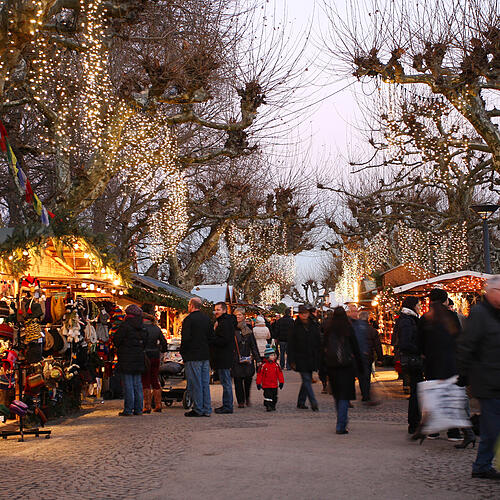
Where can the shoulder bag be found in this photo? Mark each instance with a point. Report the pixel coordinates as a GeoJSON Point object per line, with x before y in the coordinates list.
{"type": "Point", "coordinates": [243, 360]}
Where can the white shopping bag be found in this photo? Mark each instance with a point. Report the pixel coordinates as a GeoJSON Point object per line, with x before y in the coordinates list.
{"type": "Point", "coordinates": [442, 404]}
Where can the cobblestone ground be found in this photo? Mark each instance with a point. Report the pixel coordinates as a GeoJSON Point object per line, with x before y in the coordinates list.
{"type": "Point", "coordinates": [99, 455]}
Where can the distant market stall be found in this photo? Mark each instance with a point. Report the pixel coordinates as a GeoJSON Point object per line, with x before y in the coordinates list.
{"type": "Point", "coordinates": [463, 287]}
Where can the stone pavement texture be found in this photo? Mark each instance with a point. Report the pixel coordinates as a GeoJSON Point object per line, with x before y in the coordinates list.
{"type": "Point", "coordinates": [292, 454]}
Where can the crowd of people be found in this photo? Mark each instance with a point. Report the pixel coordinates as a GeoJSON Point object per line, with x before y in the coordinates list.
{"type": "Point", "coordinates": [438, 345]}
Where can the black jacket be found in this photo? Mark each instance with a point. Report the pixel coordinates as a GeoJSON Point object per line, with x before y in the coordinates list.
{"type": "Point", "coordinates": [247, 347]}
{"type": "Point", "coordinates": [155, 341]}
{"type": "Point", "coordinates": [479, 351]}
{"type": "Point", "coordinates": [223, 342]}
{"type": "Point", "coordinates": [197, 329]}
{"type": "Point", "coordinates": [304, 346]}
{"type": "Point", "coordinates": [282, 328]}
{"type": "Point", "coordinates": [406, 337]}
{"type": "Point", "coordinates": [437, 341]}
{"type": "Point", "coordinates": [368, 340]}
{"type": "Point", "coordinates": [130, 339]}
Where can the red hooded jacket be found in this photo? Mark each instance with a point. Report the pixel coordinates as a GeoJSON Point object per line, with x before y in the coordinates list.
{"type": "Point", "coordinates": [270, 375]}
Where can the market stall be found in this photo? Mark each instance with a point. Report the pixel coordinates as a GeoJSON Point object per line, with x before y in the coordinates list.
{"type": "Point", "coordinates": [463, 287]}
{"type": "Point", "coordinates": [57, 296]}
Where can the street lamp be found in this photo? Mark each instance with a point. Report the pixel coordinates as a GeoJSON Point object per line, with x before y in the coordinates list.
{"type": "Point", "coordinates": [485, 212]}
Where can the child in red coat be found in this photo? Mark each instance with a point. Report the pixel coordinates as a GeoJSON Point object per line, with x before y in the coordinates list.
{"type": "Point", "coordinates": [269, 377]}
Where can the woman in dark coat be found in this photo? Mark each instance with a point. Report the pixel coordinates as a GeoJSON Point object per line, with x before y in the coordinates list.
{"type": "Point", "coordinates": [406, 332]}
{"type": "Point", "coordinates": [129, 340]}
{"type": "Point", "coordinates": [342, 356]}
{"type": "Point", "coordinates": [246, 347]}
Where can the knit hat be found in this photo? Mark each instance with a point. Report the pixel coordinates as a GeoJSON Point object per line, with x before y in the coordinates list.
{"type": "Point", "coordinates": [260, 320]}
{"type": "Point", "coordinates": [303, 308]}
{"type": "Point", "coordinates": [438, 295]}
{"type": "Point", "coordinates": [269, 350]}
{"type": "Point", "coordinates": [133, 310]}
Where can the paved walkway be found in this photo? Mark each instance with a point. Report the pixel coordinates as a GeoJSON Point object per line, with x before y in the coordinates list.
{"type": "Point", "coordinates": [292, 454]}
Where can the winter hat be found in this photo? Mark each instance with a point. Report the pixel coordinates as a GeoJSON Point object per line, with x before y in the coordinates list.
{"type": "Point", "coordinates": [133, 310]}
{"type": "Point", "coordinates": [438, 295]}
{"type": "Point", "coordinates": [260, 320]}
{"type": "Point", "coordinates": [269, 350]}
{"type": "Point", "coordinates": [303, 308]}
{"type": "Point", "coordinates": [410, 302]}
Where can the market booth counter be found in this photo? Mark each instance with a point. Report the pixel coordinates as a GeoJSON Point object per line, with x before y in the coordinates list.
{"type": "Point", "coordinates": [56, 303]}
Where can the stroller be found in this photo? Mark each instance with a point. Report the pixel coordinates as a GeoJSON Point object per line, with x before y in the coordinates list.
{"type": "Point", "coordinates": [173, 379]}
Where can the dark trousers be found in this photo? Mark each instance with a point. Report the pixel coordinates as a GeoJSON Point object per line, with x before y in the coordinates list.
{"type": "Point", "coordinates": [306, 390]}
{"type": "Point", "coordinates": [242, 389]}
{"type": "Point", "coordinates": [489, 425]}
{"type": "Point", "coordinates": [365, 379]}
{"type": "Point", "coordinates": [270, 397]}
{"type": "Point", "coordinates": [415, 376]}
{"type": "Point", "coordinates": [283, 352]}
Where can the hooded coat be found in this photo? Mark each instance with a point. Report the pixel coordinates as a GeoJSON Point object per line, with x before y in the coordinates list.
{"type": "Point", "coordinates": [130, 339]}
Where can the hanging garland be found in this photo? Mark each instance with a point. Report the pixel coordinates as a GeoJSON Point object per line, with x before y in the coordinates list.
{"type": "Point", "coordinates": [20, 179]}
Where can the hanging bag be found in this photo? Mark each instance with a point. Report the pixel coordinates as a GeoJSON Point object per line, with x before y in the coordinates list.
{"type": "Point", "coordinates": [338, 352]}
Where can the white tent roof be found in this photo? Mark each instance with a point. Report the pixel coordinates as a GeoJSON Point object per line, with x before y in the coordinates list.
{"type": "Point", "coordinates": [212, 293]}
{"type": "Point", "coordinates": [439, 279]}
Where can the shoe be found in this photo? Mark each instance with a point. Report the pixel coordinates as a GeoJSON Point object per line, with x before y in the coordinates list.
{"type": "Point", "coordinates": [268, 408]}
{"type": "Point", "coordinates": [223, 411]}
{"type": "Point", "coordinates": [138, 413]}
{"type": "Point", "coordinates": [123, 414]}
{"type": "Point", "coordinates": [205, 414]}
{"type": "Point", "coordinates": [314, 407]}
{"type": "Point", "coordinates": [302, 406]}
{"type": "Point", "coordinates": [345, 431]}
{"type": "Point", "coordinates": [241, 405]}
{"type": "Point", "coordinates": [434, 435]}
{"type": "Point", "coordinates": [147, 411]}
{"type": "Point", "coordinates": [192, 413]}
{"type": "Point", "coordinates": [273, 408]}
{"type": "Point", "coordinates": [489, 474]}
{"type": "Point", "coordinates": [412, 429]}
{"type": "Point", "coordinates": [466, 442]}
{"type": "Point", "coordinates": [157, 410]}
{"type": "Point", "coordinates": [418, 436]}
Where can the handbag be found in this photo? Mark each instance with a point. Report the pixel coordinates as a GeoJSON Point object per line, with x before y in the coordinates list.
{"type": "Point", "coordinates": [243, 360]}
{"type": "Point", "coordinates": [34, 382]}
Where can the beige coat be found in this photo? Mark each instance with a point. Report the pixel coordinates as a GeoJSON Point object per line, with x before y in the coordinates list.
{"type": "Point", "coordinates": [263, 337]}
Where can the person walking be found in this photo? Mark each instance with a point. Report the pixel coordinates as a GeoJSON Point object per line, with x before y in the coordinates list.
{"type": "Point", "coordinates": [372, 347]}
{"type": "Point", "coordinates": [438, 332]}
{"type": "Point", "coordinates": [269, 378]}
{"type": "Point", "coordinates": [478, 357]}
{"type": "Point", "coordinates": [303, 355]}
{"type": "Point", "coordinates": [224, 347]}
{"type": "Point", "coordinates": [129, 340]}
{"type": "Point", "coordinates": [262, 334]}
{"type": "Point", "coordinates": [342, 356]}
{"type": "Point", "coordinates": [155, 344]}
{"type": "Point", "coordinates": [245, 357]}
{"type": "Point", "coordinates": [406, 333]}
{"type": "Point", "coordinates": [197, 330]}
{"type": "Point", "coordinates": [282, 329]}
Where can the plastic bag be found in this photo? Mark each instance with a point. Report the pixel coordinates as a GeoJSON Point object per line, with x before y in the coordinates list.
{"type": "Point", "coordinates": [443, 405]}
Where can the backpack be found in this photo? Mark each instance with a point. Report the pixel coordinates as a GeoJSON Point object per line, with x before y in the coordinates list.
{"type": "Point", "coordinates": [338, 352]}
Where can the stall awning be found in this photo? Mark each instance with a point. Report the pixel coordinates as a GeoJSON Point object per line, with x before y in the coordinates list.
{"type": "Point", "coordinates": [461, 281]}
{"type": "Point", "coordinates": [158, 285]}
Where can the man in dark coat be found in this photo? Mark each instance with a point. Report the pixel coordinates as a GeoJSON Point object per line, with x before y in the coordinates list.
{"type": "Point", "coordinates": [224, 347]}
{"type": "Point", "coordinates": [303, 355]}
{"type": "Point", "coordinates": [129, 341]}
{"type": "Point", "coordinates": [282, 329]}
{"type": "Point", "coordinates": [197, 330]}
{"type": "Point", "coordinates": [372, 347]}
{"type": "Point", "coordinates": [479, 361]}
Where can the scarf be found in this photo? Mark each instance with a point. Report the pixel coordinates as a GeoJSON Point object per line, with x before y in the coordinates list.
{"type": "Point", "coordinates": [410, 312]}
{"type": "Point", "coordinates": [243, 328]}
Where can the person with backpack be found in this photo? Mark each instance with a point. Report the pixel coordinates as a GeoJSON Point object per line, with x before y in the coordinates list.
{"type": "Point", "coordinates": [342, 357]}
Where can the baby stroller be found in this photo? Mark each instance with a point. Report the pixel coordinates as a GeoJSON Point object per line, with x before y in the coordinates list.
{"type": "Point", "coordinates": [173, 379]}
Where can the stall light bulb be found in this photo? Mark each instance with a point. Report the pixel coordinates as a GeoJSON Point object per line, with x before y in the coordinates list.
{"type": "Point", "coordinates": [113, 291]}
{"type": "Point", "coordinates": [92, 286]}
{"type": "Point", "coordinates": [86, 255]}
{"type": "Point", "coordinates": [103, 271]}
{"type": "Point", "coordinates": [84, 285]}
{"type": "Point", "coordinates": [10, 257]}
{"type": "Point", "coordinates": [25, 252]}
{"type": "Point", "coordinates": [116, 282]}
{"type": "Point", "coordinates": [120, 292]}
{"type": "Point", "coordinates": [76, 246]}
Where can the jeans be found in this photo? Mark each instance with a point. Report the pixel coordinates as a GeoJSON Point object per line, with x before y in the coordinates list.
{"type": "Point", "coordinates": [132, 393]}
{"type": "Point", "coordinates": [489, 425]}
{"type": "Point", "coordinates": [306, 390]}
{"type": "Point", "coordinates": [198, 384]}
{"type": "Point", "coordinates": [283, 351]}
{"type": "Point", "coordinates": [227, 388]}
{"type": "Point", "coordinates": [365, 379]}
{"type": "Point", "coordinates": [342, 407]}
{"type": "Point", "coordinates": [242, 387]}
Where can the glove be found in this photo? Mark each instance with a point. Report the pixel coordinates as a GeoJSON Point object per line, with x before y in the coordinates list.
{"type": "Point", "coordinates": [462, 381]}
{"type": "Point", "coordinates": [281, 385]}
{"type": "Point", "coordinates": [259, 387]}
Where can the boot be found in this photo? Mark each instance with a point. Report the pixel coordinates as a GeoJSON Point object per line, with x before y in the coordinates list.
{"type": "Point", "coordinates": [157, 398]}
{"type": "Point", "coordinates": [147, 400]}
